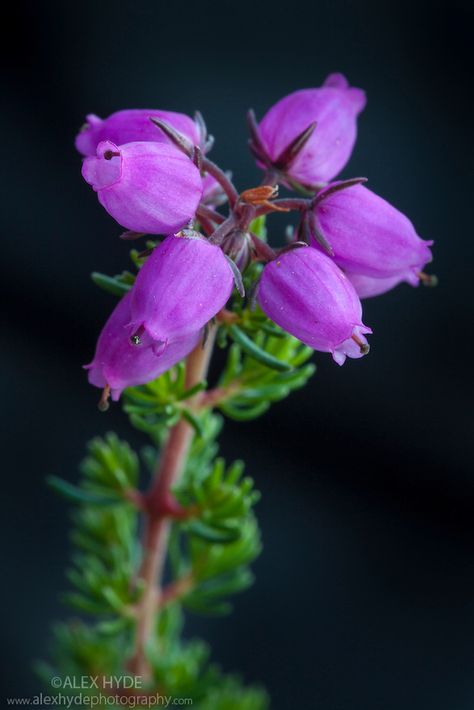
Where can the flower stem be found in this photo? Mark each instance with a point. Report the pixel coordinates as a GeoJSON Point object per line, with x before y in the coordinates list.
{"type": "Point", "coordinates": [224, 181]}
{"type": "Point", "coordinates": [210, 214]}
{"type": "Point", "coordinates": [157, 524]}
{"type": "Point", "coordinates": [290, 203]}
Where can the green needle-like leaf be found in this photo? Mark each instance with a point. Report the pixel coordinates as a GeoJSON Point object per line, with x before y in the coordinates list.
{"type": "Point", "coordinates": [78, 495]}
{"type": "Point", "coordinates": [112, 284]}
{"type": "Point", "coordinates": [252, 349]}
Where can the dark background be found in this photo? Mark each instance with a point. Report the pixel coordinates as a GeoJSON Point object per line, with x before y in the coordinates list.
{"type": "Point", "coordinates": [365, 590]}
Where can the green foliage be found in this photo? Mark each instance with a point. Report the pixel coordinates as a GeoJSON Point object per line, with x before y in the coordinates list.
{"type": "Point", "coordinates": [160, 404]}
{"type": "Point", "coordinates": [258, 227]}
{"type": "Point", "coordinates": [257, 352]}
{"type": "Point", "coordinates": [220, 569]}
{"type": "Point", "coordinates": [204, 447]}
{"type": "Point", "coordinates": [181, 669]}
{"type": "Point", "coordinates": [119, 284]}
{"type": "Point", "coordinates": [106, 560]}
{"type": "Point", "coordinates": [109, 472]}
{"type": "Point", "coordinates": [264, 365]}
{"type": "Point", "coordinates": [105, 531]}
{"type": "Point", "coordinates": [82, 649]}
{"type": "Point", "coordinates": [214, 548]}
{"type": "Point", "coordinates": [116, 285]}
{"type": "Point", "coordinates": [222, 497]}
{"type": "Point", "coordinates": [230, 695]}
{"type": "Point", "coordinates": [111, 463]}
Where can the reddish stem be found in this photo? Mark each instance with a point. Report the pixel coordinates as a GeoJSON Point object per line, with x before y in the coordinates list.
{"type": "Point", "coordinates": [227, 185]}
{"type": "Point", "coordinates": [157, 523]}
{"type": "Point", "coordinates": [210, 214]}
{"type": "Point", "coordinates": [218, 394]}
{"type": "Point", "coordinates": [175, 590]}
{"type": "Point", "coordinates": [290, 203]}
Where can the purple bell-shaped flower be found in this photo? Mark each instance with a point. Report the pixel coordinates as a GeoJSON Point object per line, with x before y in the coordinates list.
{"type": "Point", "coordinates": [182, 285]}
{"type": "Point", "coordinates": [332, 110]}
{"type": "Point", "coordinates": [147, 187]}
{"type": "Point", "coordinates": [368, 236]}
{"type": "Point", "coordinates": [118, 364]}
{"type": "Point", "coordinates": [306, 294]}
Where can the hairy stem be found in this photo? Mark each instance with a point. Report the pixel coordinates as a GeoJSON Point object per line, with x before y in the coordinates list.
{"type": "Point", "coordinates": [157, 524]}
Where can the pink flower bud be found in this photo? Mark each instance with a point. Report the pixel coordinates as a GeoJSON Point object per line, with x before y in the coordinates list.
{"type": "Point", "coordinates": [133, 125]}
{"type": "Point", "coordinates": [147, 187]}
{"type": "Point", "coordinates": [118, 364]}
{"type": "Point", "coordinates": [334, 108]}
{"type": "Point", "coordinates": [181, 286]}
{"type": "Point", "coordinates": [305, 293]}
{"type": "Point", "coordinates": [368, 236]}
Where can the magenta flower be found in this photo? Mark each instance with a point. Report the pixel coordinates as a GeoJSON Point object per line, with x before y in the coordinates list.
{"type": "Point", "coordinates": [133, 125]}
{"type": "Point", "coordinates": [147, 187]}
{"type": "Point", "coordinates": [368, 286]}
{"type": "Point", "coordinates": [118, 363]}
{"type": "Point", "coordinates": [181, 286]}
{"type": "Point", "coordinates": [334, 108]}
{"type": "Point", "coordinates": [305, 293]}
{"type": "Point", "coordinates": [368, 236]}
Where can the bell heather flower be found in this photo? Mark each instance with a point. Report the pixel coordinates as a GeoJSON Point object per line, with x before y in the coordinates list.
{"type": "Point", "coordinates": [147, 187]}
{"type": "Point", "coordinates": [305, 293]}
{"type": "Point", "coordinates": [118, 364]}
{"type": "Point", "coordinates": [368, 286]}
{"type": "Point", "coordinates": [334, 108]}
{"type": "Point", "coordinates": [368, 236]}
{"type": "Point", "coordinates": [182, 285]}
{"type": "Point", "coordinates": [133, 125]}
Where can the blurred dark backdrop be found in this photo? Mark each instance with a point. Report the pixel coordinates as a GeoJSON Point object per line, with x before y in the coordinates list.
{"type": "Point", "coordinates": [365, 591]}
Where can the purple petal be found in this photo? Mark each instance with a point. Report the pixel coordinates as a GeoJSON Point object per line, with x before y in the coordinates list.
{"type": "Point", "coordinates": [133, 125]}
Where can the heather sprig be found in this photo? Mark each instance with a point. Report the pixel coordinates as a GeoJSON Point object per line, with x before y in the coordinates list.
{"type": "Point", "coordinates": [172, 530]}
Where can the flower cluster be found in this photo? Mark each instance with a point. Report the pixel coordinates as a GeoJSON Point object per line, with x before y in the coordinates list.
{"type": "Point", "coordinates": [151, 173]}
